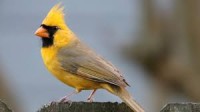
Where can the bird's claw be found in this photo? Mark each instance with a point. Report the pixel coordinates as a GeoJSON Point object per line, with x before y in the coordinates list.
{"type": "Point", "coordinates": [64, 100]}
{"type": "Point", "coordinates": [90, 100]}
{"type": "Point", "coordinates": [52, 103]}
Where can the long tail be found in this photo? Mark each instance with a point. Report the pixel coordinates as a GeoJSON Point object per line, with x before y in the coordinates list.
{"type": "Point", "coordinates": [125, 97]}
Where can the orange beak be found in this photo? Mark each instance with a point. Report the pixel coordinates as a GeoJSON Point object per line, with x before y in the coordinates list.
{"type": "Point", "coordinates": [41, 32]}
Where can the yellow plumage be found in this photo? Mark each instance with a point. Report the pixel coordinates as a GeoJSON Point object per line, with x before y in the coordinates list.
{"type": "Point", "coordinates": [62, 38]}
{"type": "Point", "coordinates": [76, 65]}
{"type": "Point", "coordinates": [52, 64]}
{"type": "Point", "coordinates": [55, 17]}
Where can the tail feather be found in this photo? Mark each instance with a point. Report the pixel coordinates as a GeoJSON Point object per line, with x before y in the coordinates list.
{"type": "Point", "coordinates": [126, 97]}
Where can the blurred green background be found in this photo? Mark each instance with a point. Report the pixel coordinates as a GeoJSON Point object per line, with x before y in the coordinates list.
{"type": "Point", "coordinates": [154, 43]}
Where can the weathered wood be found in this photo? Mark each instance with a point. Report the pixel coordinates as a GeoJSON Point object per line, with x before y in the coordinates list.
{"type": "Point", "coordinates": [86, 107]}
{"type": "Point", "coordinates": [105, 107]}
{"type": "Point", "coordinates": [181, 107]}
{"type": "Point", "coordinates": [4, 107]}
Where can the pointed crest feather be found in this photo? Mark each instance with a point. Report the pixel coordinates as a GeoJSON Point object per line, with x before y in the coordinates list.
{"type": "Point", "coordinates": [55, 17]}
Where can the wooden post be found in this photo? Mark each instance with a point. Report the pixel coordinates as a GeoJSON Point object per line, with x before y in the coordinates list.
{"type": "Point", "coordinates": [181, 107]}
{"type": "Point", "coordinates": [86, 107]}
{"type": "Point", "coordinates": [105, 107]}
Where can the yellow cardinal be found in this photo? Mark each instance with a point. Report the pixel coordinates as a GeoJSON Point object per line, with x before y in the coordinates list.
{"type": "Point", "coordinates": [75, 64]}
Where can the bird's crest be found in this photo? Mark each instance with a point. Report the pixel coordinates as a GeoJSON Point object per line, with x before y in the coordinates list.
{"type": "Point", "coordinates": [55, 17]}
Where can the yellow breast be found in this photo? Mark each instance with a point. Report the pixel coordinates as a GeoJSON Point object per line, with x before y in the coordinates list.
{"type": "Point", "coordinates": [49, 56]}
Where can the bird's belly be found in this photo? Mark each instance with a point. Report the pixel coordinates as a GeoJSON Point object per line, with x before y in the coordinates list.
{"type": "Point", "coordinates": [76, 81]}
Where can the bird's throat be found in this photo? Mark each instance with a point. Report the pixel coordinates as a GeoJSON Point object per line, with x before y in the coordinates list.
{"type": "Point", "coordinates": [47, 42]}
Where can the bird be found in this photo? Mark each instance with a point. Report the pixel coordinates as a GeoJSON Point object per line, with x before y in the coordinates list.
{"type": "Point", "coordinates": [76, 64]}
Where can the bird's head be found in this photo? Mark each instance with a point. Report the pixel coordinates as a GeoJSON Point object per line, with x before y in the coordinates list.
{"type": "Point", "coordinates": [53, 28]}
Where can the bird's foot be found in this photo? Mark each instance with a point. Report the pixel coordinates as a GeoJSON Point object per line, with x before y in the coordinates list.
{"type": "Point", "coordinates": [90, 100]}
{"type": "Point", "coordinates": [64, 100]}
{"type": "Point", "coordinates": [52, 102]}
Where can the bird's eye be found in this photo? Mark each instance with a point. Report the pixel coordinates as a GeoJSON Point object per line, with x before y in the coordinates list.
{"type": "Point", "coordinates": [56, 28]}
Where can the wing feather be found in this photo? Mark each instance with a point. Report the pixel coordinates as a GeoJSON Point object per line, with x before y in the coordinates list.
{"type": "Point", "coordinates": [78, 59]}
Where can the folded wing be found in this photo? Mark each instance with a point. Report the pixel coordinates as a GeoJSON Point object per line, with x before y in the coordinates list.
{"type": "Point", "coordinates": [78, 59]}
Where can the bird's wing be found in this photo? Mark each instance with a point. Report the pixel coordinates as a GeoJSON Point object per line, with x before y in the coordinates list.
{"type": "Point", "coordinates": [79, 60]}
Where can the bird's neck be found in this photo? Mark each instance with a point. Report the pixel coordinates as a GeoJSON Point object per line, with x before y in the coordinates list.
{"type": "Point", "coordinates": [47, 42]}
